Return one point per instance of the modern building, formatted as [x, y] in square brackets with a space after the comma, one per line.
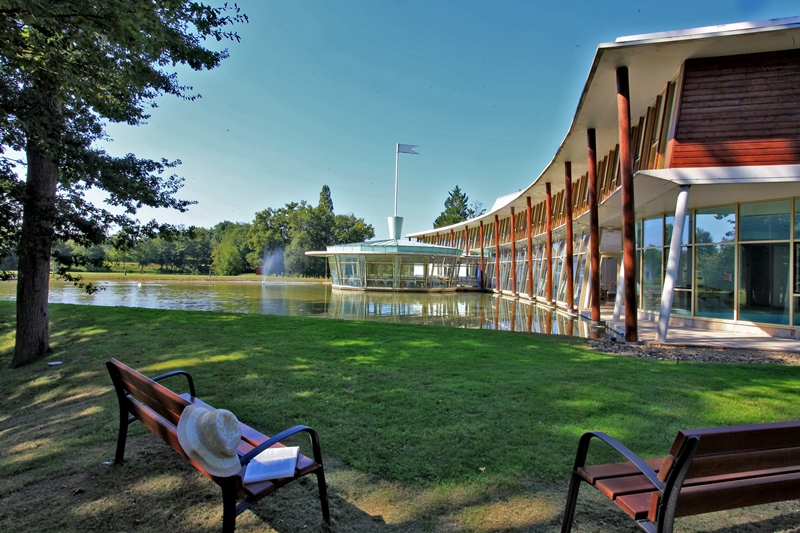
[675, 193]
[400, 265]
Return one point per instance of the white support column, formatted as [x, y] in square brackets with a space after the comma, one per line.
[619, 300]
[672, 263]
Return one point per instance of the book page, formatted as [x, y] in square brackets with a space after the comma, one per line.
[272, 463]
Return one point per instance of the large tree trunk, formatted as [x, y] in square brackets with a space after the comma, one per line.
[36, 240]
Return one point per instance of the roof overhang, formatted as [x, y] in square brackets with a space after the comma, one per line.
[656, 191]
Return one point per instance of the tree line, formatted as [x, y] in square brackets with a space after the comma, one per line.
[275, 241]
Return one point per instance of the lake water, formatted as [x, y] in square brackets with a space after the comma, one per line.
[453, 309]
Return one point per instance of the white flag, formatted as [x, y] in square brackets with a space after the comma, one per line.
[406, 149]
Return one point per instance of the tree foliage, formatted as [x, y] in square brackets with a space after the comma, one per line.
[285, 235]
[230, 248]
[457, 209]
[67, 68]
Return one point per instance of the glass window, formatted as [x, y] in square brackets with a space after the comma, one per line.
[653, 232]
[714, 281]
[682, 296]
[717, 224]
[350, 274]
[797, 218]
[334, 270]
[797, 311]
[764, 282]
[797, 267]
[651, 279]
[768, 221]
[638, 231]
[669, 223]
[380, 271]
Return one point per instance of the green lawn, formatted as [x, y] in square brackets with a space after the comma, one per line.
[462, 419]
[153, 274]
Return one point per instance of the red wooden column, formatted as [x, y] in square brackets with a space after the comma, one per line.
[594, 228]
[569, 251]
[483, 265]
[513, 272]
[466, 240]
[628, 206]
[530, 249]
[548, 214]
[496, 253]
[452, 241]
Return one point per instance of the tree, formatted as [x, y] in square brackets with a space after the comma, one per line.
[311, 229]
[269, 235]
[348, 228]
[457, 209]
[325, 200]
[229, 240]
[315, 228]
[67, 68]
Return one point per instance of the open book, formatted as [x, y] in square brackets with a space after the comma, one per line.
[272, 463]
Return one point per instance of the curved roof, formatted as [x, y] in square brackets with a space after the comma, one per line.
[392, 246]
[653, 60]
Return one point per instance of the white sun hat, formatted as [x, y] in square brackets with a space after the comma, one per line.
[210, 437]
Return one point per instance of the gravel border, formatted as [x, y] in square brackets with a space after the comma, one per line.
[694, 353]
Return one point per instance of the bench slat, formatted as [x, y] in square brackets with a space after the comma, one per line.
[156, 396]
[735, 439]
[707, 498]
[635, 505]
[731, 463]
[620, 486]
[593, 473]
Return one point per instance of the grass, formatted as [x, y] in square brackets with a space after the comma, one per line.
[432, 428]
[154, 274]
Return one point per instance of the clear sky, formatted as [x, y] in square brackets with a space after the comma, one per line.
[319, 92]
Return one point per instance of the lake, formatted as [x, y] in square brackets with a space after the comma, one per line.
[452, 309]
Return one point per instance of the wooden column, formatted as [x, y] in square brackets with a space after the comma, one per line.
[548, 213]
[569, 251]
[594, 228]
[452, 241]
[466, 240]
[628, 205]
[483, 265]
[530, 248]
[513, 271]
[496, 253]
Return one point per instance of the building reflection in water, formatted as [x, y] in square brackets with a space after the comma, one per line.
[455, 309]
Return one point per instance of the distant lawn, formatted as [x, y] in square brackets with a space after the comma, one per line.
[462, 419]
[136, 275]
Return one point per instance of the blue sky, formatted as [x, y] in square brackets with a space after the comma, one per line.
[319, 92]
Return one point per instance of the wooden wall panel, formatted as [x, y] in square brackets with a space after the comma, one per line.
[740, 110]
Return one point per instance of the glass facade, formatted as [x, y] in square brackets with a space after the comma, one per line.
[737, 262]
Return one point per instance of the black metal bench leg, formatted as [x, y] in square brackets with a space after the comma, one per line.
[572, 499]
[122, 437]
[229, 506]
[323, 495]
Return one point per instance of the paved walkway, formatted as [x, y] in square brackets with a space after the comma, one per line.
[701, 337]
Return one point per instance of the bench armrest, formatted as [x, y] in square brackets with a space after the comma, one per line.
[644, 468]
[279, 437]
[179, 373]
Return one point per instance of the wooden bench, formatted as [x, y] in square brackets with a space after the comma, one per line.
[712, 469]
[159, 409]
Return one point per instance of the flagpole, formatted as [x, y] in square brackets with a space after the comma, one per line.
[396, 159]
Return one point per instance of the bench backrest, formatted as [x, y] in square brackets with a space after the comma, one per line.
[733, 449]
[157, 407]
